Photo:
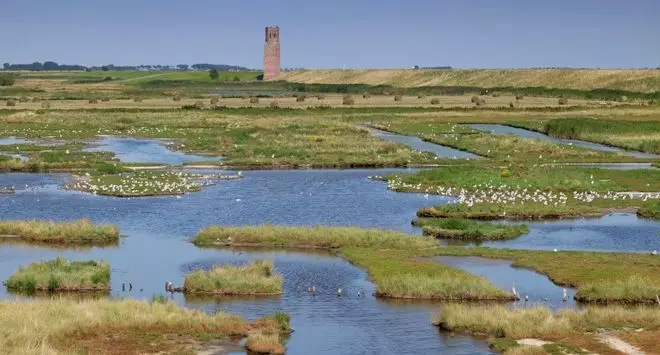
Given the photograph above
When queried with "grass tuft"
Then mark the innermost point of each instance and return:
(79, 232)
(61, 275)
(255, 278)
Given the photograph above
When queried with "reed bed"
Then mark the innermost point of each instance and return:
(122, 326)
(61, 275)
(398, 274)
(78, 232)
(255, 278)
(465, 229)
(540, 322)
(309, 237)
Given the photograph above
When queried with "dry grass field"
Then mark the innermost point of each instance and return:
(331, 100)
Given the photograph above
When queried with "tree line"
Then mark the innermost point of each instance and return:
(54, 66)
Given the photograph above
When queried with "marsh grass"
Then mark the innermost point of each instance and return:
(78, 232)
(540, 322)
(598, 277)
(61, 275)
(136, 184)
(309, 237)
(398, 274)
(636, 135)
(125, 326)
(262, 343)
(465, 229)
(496, 211)
(255, 278)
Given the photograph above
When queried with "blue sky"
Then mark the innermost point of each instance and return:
(335, 34)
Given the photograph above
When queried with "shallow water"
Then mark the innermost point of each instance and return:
(13, 140)
(526, 282)
(521, 132)
(135, 150)
(614, 232)
(154, 249)
(421, 145)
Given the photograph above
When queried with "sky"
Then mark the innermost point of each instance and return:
(335, 34)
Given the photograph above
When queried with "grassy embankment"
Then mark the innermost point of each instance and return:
(503, 148)
(138, 184)
(256, 278)
(61, 275)
(388, 256)
(64, 326)
(78, 232)
(568, 329)
(532, 192)
(597, 277)
(630, 134)
(647, 81)
(465, 229)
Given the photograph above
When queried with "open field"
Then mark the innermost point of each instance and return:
(78, 232)
(465, 229)
(256, 278)
(584, 79)
(61, 326)
(61, 275)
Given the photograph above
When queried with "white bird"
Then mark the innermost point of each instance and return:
(339, 292)
(565, 296)
(515, 293)
(655, 252)
(526, 298)
(555, 250)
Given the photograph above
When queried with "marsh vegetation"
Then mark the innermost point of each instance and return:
(61, 275)
(77, 232)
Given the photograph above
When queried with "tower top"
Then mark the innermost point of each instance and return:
(272, 33)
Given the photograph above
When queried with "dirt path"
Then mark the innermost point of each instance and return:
(619, 345)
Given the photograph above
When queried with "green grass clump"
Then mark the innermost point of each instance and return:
(309, 237)
(79, 232)
(650, 210)
(61, 275)
(256, 278)
(465, 229)
(539, 322)
(398, 274)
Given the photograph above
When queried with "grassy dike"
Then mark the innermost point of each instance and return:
(78, 232)
(61, 275)
(568, 329)
(465, 229)
(61, 326)
(256, 278)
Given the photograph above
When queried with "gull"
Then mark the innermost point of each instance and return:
(339, 292)
(565, 296)
(655, 252)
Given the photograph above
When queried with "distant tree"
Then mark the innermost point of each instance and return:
(51, 66)
(6, 66)
(236, 78)
(105, 68)
(213, 73)
(182, 66)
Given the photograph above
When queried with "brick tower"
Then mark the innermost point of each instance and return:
(272, 52)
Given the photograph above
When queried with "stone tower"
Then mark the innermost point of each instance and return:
(272, 52)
